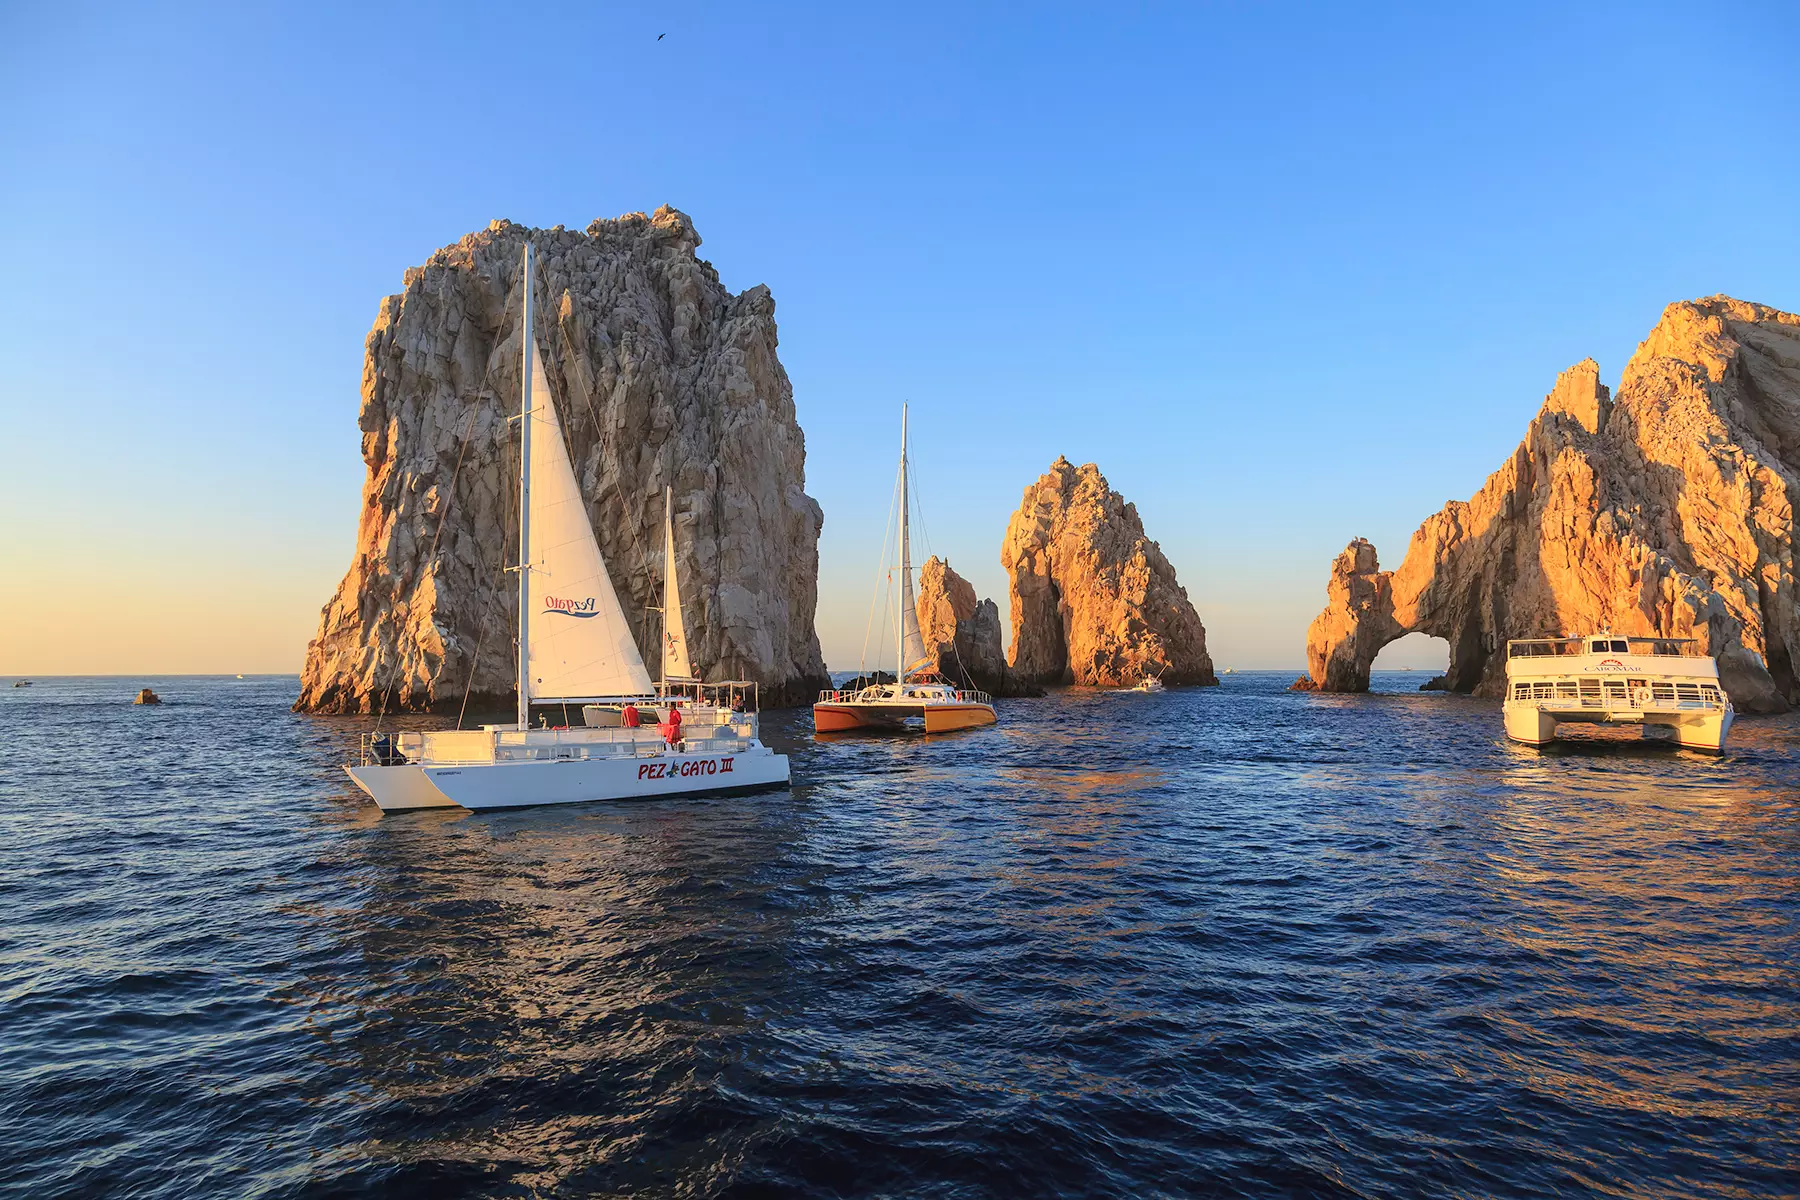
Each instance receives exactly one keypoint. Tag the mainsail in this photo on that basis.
(912, 644)
(579, 644)
(675, 662)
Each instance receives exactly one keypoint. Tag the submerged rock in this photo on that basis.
(661, 376)
(962, 634)
(1666, 511)
(1093, 599)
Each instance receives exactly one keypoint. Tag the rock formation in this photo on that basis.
(1093, 599)
(661, 376)
(1665, 511)
(146, 696)
(962, 634)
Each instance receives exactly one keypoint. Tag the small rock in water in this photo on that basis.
(147, 697)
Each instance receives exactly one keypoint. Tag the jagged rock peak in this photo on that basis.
(661, 377)
(962, 634)
(1093, 599)
(1666, 510)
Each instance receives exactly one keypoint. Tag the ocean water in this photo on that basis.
(1229, 941)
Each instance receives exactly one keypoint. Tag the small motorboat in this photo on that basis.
(22, 683)
(1149, 683)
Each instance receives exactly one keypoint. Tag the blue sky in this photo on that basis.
(1289, 275)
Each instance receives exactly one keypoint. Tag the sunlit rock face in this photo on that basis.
(962, 634)
(1665, 511)
(661, 377)
(1093, 599)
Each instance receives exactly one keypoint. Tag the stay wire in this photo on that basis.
(430, 559)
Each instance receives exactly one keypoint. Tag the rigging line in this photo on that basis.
(481, 635)
(430, 559)
(879, 594)
(925, 533)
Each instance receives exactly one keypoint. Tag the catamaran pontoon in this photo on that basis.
(918, 697)
(575, 648)
(1606, 679)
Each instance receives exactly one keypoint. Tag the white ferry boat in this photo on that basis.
(1606, 679)
(576, 652)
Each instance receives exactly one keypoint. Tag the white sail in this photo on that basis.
(675, 661)
(579, 642)
(912, 644)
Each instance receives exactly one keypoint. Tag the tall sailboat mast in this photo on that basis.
(905, 564)
(525, 500)
(669, 598)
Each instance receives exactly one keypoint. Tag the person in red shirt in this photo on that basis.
(672, 730)
(629, 717)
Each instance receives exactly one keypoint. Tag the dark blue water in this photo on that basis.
(1224, 941)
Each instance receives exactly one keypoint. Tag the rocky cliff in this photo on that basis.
(661, 377)
(962, 634)
(1093, 599)
(1667, 511)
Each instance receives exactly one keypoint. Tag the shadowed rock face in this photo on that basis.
(660, 377)
(1666, 511)
(962, 634)
(1093, 599)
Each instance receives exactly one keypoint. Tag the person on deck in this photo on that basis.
(672, 730)
(629, 717)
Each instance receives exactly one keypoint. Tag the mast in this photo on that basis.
(905, 564)
(525, 501)
(668, 577)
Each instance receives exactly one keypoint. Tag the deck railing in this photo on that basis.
(846, 696)
(460, 747)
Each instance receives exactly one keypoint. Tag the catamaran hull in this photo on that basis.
(399, 788)
(937, 718)
(1694, 729)
(526, 784)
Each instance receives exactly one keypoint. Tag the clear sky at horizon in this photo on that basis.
(1288, 275)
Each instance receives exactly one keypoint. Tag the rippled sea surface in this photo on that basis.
(1230, 941)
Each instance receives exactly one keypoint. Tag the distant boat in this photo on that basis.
(23, 683)
(1230, 670)
(240, 676)
(1149, 683)
(918, 696)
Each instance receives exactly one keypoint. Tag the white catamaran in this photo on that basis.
(918, 698)
(576, 648)
(1606, 679)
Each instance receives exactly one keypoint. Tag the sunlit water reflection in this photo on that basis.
(1231, 940)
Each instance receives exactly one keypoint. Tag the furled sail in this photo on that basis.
(912, 644)
(675, 661)
(579, 642)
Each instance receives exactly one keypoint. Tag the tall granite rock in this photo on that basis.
(962, 634)
(661, 377)
(1093, 599)
(1666, 511)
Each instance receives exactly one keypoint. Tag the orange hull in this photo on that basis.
(835, 718)
(942, 718)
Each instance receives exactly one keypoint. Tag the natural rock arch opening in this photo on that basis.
(1416, 661)
(1664, 512)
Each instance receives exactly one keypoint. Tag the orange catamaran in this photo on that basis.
(918, 699)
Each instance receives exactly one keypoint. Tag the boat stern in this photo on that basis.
(401, 788)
